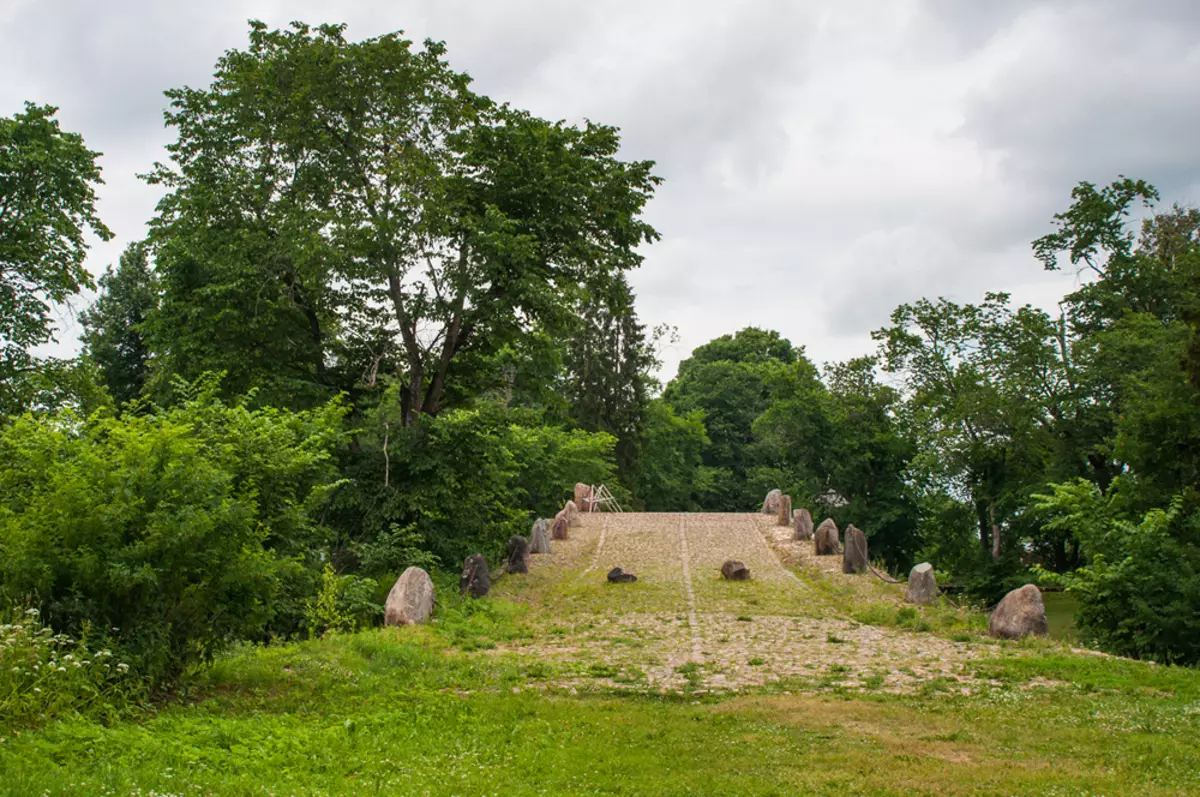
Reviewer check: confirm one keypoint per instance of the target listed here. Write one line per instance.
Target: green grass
(433, 711)
(960, 624)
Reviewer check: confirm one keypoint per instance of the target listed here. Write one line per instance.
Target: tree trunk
(995, 531)
(981, 517)
(416, 367)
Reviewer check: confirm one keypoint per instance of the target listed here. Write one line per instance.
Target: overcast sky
(824, 161)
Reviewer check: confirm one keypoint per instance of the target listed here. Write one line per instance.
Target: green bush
(343, 603)
(1139, 592)
(459, 483)
(166, 533)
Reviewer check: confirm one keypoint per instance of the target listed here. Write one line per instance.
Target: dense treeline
(382, 320)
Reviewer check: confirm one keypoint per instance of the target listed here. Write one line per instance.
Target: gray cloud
(825, 160)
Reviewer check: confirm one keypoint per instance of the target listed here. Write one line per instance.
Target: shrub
(43, 674)
(343, 603)
(459, 483)
(1139, 591)
(164, 532)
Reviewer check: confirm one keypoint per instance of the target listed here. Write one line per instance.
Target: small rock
(733, 570)
(785, 511)
(922, 585)
(475, 579)
(771, 502)
(802, 525)
(539, 536)
(411, 600)
(825, 543)
(854, 559)
(619, 576)
(559, 529)
(1022, 612)
(583, 495)
(518, 555)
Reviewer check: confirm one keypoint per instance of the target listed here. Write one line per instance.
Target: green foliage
(47, 203)
(1139, 591)
(734, 380)
(671, 474)
(343, 603)
(340, 209)
(113, 327)
(44, 675)
(165, 532)
(609, 360)
(462, 482)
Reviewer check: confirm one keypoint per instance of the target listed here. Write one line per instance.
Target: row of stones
(411, 598)
(1022, 612)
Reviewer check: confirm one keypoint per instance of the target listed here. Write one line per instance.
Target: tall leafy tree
(352, 208)
(868, 461)
(733, 380)
(609, 361)
(113, 326)
(48, 180)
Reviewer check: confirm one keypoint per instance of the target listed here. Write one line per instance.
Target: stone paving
(682, 627)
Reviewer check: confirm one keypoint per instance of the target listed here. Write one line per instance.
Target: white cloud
(825, 160)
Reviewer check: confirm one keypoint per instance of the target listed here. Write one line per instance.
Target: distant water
(1060, 614)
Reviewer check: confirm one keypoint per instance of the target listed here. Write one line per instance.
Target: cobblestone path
(682, 627)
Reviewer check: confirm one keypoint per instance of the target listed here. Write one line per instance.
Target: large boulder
(411, 600)
(922, 584)
(619, 576)
(784, 518)
(1021, 613)
(802, 525)
(518, 555)
(825, 542)
(539, 536)
(583, 494)
(733, 570)
(574, 516)
(559, 529)
(854, 557)
(475, 579)
(771, 502)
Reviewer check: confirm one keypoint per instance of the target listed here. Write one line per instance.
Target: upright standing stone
(574, 518)
(1022, 612)
(583, 494)
(411, 600)
(785, 511)
(922, 584)
(539, 536)
(825, 543)
(475, 579)
(802, 525)
(771, 502)
(518, 555)
(559, 528)
(854, 559)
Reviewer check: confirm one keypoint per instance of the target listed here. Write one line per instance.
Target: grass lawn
(434, 711)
